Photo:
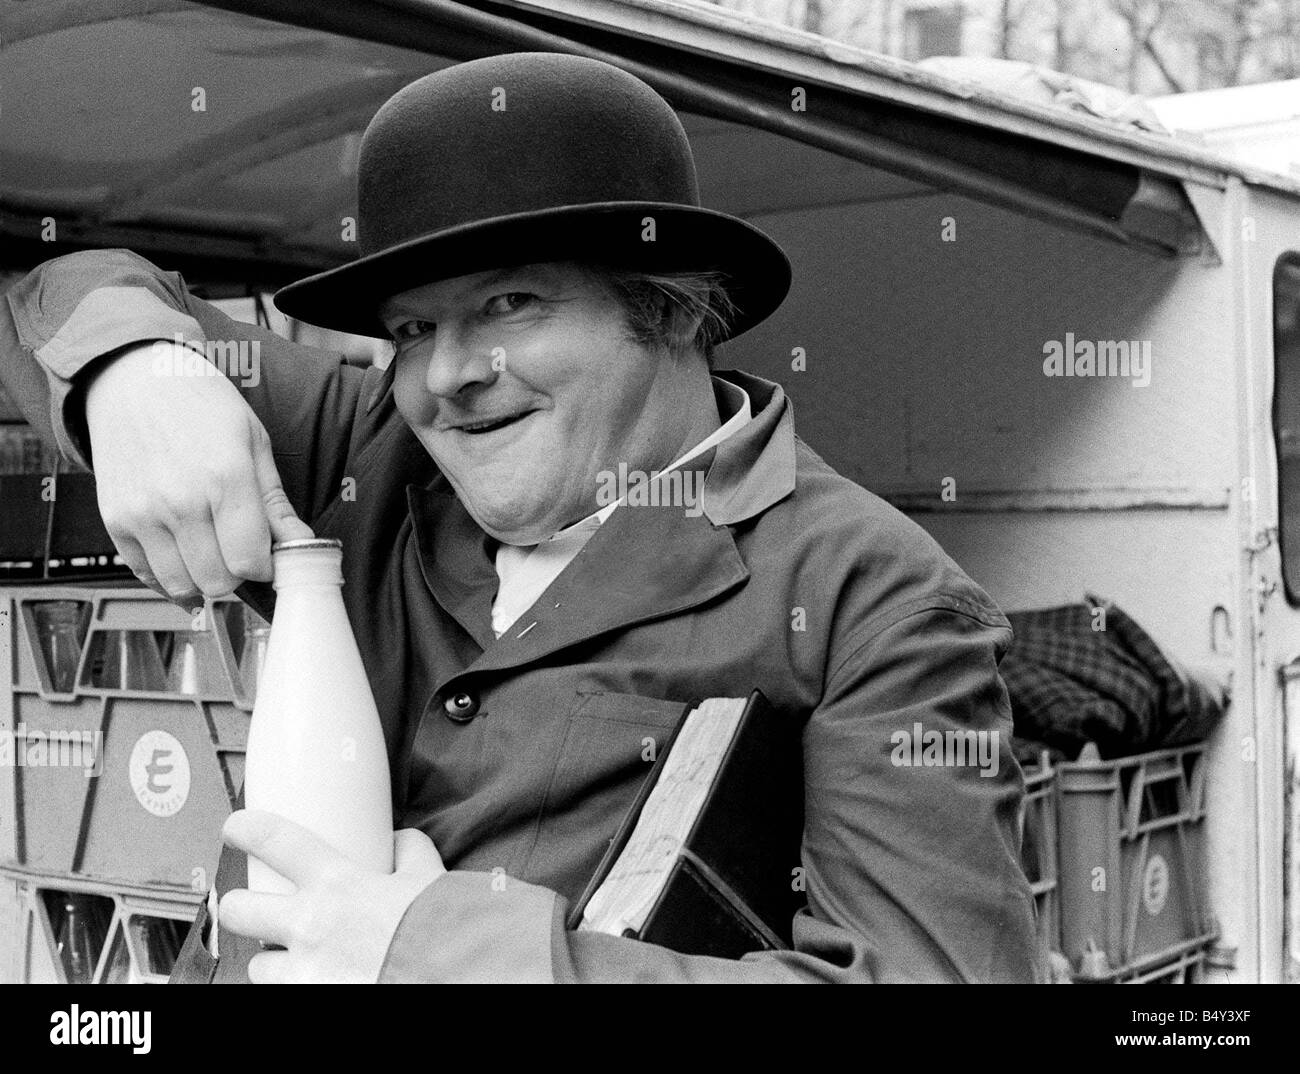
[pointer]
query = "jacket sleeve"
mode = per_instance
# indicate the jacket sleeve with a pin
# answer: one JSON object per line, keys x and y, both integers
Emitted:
{"x": 912, "y": 870}
{"x": 78, "y": 309}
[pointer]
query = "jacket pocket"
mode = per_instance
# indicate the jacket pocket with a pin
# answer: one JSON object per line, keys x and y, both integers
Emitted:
{"x": 610, "y": 744}
{"x": 628, "y": 708}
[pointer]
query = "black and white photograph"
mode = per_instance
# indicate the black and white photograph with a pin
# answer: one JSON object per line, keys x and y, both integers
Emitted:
{"x": 650, "y": 491}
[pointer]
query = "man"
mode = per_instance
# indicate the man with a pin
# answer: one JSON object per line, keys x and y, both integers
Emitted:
{"x": 532, "y": 243}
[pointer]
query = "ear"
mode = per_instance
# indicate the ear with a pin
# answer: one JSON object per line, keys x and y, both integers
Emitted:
{"x": 681, "y": 327}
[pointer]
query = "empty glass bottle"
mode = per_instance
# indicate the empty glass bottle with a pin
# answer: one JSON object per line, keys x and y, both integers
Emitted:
{"x": 183, "y": 667}
{"x": 61, "y": 630}
{"x": 126, "y": 660}
{"x": 257, "y": 633}
{"x": 75, "y": 941}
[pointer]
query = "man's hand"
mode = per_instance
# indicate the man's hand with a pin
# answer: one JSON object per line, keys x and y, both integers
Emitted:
{"x": 339, "y": 924}
{"x": 187, "y": 484}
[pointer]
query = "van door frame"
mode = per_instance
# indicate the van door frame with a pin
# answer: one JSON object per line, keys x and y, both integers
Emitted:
{"x": 1271, "y": 640}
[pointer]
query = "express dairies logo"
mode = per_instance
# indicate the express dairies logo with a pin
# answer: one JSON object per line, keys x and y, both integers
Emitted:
{"x": 159, "y": 771}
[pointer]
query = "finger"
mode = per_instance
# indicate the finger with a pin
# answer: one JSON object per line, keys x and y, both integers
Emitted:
{"x": 414, "y": 852}
{"x": 243, "y": 531}
{"x": 280, "y": 515}
{"x": 133, "y": 556}
{"x": 196, "y": 540}
{"x": 168, "y": 567}
{"x": 291, "y": 850}
{"x": 259, "y": 916}
{"x": 270, "y": 967}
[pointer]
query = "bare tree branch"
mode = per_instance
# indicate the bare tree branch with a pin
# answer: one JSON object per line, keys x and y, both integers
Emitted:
{"x": 1150, "y": 46}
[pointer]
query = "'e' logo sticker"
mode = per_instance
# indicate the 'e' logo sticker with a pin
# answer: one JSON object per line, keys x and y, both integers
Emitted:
{"x": 159, "y": 771}
{"x": 1155, "y": 885}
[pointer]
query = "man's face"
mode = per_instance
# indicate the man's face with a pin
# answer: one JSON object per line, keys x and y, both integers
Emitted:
{"x": 524, "y": 384}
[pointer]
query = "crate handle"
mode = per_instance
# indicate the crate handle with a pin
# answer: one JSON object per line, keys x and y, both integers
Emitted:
{"x": 1160, "y": 769}
{"x": 114, "y": 612}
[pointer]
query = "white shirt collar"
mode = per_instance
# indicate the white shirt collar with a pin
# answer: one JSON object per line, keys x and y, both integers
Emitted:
{"x": 734, "y": 397}
{"x": 524, "y": 571}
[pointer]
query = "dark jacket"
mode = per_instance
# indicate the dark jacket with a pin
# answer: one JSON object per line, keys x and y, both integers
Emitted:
{"x": 794, "y": 580}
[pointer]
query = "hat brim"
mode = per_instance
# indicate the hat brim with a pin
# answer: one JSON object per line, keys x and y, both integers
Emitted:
{"x": 686, "y": 238}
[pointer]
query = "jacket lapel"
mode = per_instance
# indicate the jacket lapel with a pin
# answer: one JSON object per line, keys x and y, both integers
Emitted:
{"x": 456, "y": 558}
{"x": 643, "y": 563}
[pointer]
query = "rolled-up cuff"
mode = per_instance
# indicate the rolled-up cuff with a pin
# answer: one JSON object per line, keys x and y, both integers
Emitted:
{"x": 480, "y": 928}
{"x": 108, "y": 319}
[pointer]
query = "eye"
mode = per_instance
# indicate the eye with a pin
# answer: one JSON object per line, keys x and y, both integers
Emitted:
{"x": 509, "y": 302}
{"x": 409, "y": 330}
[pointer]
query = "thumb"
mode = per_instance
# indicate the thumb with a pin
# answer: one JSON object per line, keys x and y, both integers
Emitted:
{"x": 280, "y": 515}
{"x": 414, "y": 852}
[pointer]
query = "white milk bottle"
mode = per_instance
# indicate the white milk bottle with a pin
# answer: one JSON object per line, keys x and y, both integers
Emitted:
{"x": 316, "y": 752}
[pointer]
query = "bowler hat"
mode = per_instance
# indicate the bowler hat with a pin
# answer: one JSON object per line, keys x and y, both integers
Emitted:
{"x": 524, "y": 158}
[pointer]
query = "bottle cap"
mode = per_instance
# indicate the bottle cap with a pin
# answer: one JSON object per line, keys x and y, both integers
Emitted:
{"x": 307, "y": 561}
{"x": 306, "y": 542}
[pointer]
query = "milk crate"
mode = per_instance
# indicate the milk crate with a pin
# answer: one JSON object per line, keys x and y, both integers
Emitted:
{"x": 1186, "y": 967}
{"x": 1184, "y": 963}
{"x": 1038, "y": 850}
{"x": 69, "y": 930}
{"x": 1131, "y": 861}
{"x": 125, "y": 719}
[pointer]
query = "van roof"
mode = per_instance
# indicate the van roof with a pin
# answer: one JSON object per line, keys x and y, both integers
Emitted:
{"x": 759, "y": 42}
{"x": 111, "y": 146}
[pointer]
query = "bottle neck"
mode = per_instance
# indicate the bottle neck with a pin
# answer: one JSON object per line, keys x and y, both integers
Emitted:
{"x": 296, "y": 568}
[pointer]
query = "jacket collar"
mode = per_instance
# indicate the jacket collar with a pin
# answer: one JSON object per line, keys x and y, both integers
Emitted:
{"x": 754, "y": 468}
{"x": 642, "y": 563}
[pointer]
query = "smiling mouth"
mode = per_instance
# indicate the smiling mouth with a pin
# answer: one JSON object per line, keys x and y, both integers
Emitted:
{"x": 476, "y": 427}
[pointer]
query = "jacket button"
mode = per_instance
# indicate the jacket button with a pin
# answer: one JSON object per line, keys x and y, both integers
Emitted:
{"x": 461, "y": 707}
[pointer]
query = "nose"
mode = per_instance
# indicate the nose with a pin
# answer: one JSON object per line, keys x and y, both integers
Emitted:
{"x": 453, "y": 364}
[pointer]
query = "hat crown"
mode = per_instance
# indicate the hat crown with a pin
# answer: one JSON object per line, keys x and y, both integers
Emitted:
{"x": 524, "y": 158}
{"x": 516, "y": 134}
